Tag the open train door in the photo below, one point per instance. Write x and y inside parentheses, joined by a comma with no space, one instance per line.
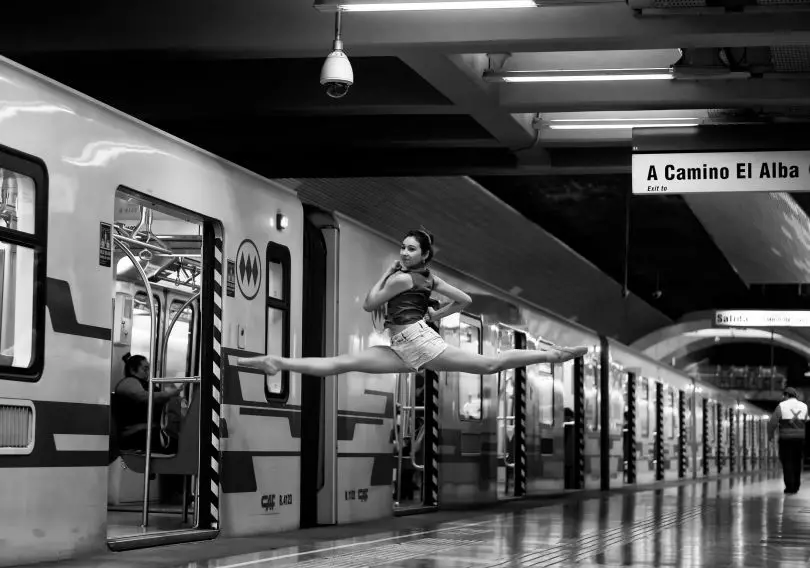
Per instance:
(511,420)
(166,287)
(319,394)
(415,438)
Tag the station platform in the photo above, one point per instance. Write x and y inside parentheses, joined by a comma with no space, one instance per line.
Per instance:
(730,522)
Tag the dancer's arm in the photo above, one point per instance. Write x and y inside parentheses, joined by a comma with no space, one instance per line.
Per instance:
(391,283)
(459,300)
(580,350)
(562,354)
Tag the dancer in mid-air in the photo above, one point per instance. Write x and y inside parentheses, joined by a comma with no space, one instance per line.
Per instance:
(402,297)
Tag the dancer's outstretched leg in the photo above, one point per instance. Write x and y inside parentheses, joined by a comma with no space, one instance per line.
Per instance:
(376,360)
(454,359)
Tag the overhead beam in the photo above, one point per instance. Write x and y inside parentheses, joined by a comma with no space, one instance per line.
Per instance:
(651,95)
(405,161)
(293,28)
(458,77)
(170,111)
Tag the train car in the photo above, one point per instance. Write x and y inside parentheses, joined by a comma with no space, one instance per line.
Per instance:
(118,239)
(112,231)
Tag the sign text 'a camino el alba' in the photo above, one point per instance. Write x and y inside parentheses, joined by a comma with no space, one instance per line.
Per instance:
(762,318)
(721,172)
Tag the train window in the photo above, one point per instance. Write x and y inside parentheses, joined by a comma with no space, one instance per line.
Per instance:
(18,207)
(23,228)
(139,339)
(179,346)
(470,387)
(643,407)
(277,327)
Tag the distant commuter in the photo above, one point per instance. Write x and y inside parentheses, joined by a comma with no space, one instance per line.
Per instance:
(401,298)
(790,418)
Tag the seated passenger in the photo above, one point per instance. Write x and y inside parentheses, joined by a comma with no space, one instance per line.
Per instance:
(129,408)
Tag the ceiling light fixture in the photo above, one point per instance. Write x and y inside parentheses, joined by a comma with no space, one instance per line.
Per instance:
(620,126)
(573,75)
(424,6)
(618,123)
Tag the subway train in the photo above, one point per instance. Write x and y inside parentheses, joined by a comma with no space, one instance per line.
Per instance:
(122,239)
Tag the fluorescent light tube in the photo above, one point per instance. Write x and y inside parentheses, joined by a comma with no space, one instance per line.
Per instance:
(572,78)
(570,75)
(619,126)
(634,119)
(413,6)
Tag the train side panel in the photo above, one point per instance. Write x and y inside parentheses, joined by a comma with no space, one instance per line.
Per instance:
(262,436)
(365,401)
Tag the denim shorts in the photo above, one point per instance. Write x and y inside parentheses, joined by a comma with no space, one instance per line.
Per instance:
(417,345)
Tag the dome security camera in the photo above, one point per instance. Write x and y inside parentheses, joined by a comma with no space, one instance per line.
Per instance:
(336,74)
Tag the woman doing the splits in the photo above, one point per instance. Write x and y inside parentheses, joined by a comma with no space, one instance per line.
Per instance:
(404,292)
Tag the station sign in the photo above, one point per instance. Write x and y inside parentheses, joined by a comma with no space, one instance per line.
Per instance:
(719,172)
(762,318)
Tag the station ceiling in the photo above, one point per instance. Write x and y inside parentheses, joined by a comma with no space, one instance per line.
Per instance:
(240,79)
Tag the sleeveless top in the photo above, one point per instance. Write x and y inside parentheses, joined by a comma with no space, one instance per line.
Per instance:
(411,306)
(792,416)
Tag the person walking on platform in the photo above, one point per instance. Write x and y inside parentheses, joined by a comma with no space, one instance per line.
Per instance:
(790,418)
(402,298)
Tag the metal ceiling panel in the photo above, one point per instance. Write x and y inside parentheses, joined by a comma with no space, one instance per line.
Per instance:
(765,236)
(480,235)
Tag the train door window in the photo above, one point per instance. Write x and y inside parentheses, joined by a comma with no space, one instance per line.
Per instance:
(23,227)
(686,427)
(542,377)
(617,404)
(470,387)
(140,323)
(179,345)
(644,407)
(592,398)
(673,405)
(277,387)
(568,385)
(669,403)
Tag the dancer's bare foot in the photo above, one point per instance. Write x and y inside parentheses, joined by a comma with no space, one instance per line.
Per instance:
(266,363)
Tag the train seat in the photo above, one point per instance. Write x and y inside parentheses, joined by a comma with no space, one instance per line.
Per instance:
(185,461)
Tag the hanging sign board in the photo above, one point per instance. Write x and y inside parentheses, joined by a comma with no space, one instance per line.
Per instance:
(762,318)
(717,172)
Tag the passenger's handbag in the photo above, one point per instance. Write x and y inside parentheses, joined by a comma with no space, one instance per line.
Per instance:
(171,421)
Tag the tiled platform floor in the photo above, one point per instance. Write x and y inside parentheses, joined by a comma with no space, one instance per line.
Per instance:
(724,523)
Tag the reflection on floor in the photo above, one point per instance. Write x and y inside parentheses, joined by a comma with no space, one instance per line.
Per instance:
(733,522)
